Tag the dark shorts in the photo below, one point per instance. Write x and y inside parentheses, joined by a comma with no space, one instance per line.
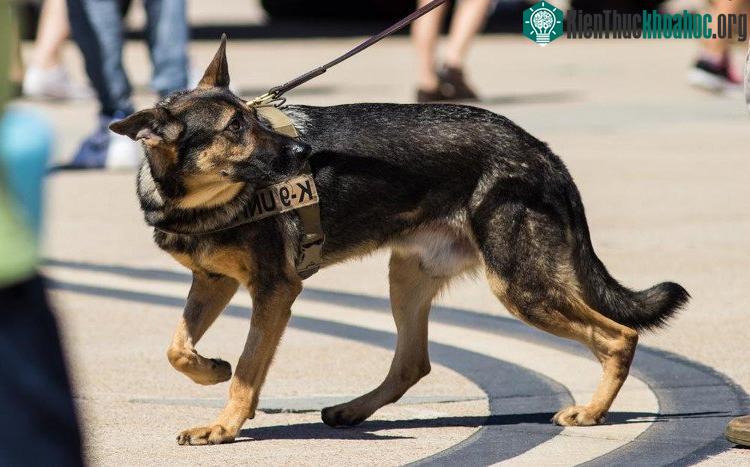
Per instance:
(38,424)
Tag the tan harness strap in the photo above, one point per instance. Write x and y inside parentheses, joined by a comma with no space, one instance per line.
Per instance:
(310,251)
(278,119)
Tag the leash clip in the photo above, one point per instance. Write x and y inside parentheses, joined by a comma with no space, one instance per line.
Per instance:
(272,97)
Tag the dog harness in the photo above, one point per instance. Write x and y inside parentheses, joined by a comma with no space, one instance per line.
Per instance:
(298,193)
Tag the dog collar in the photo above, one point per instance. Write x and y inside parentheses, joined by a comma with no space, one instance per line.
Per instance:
(295,194)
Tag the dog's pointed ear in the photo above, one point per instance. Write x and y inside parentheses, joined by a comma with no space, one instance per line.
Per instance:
(217,73)
(152,126)
(159,131)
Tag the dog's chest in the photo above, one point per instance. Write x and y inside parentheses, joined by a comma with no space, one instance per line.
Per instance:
(227,261)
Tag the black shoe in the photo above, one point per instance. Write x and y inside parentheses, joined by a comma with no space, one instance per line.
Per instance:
(453,85)
(714,77)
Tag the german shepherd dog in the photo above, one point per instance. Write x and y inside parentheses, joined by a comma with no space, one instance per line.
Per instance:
(447,188)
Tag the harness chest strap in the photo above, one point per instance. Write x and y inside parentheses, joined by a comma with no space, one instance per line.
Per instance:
(310,252)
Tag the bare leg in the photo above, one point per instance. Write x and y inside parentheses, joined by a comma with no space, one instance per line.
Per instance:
(52,32)
(271,312)
(468,20)
(717,48)
(207,299)
(411,293)
(425,32)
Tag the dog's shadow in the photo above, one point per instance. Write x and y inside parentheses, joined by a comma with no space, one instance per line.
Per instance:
(368,429)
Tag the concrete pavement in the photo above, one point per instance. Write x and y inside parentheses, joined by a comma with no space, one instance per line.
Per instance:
(663,173)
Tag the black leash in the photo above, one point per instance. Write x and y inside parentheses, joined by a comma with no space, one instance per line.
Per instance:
(275,93)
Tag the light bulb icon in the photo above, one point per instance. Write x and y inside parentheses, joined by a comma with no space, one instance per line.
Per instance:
(542,22)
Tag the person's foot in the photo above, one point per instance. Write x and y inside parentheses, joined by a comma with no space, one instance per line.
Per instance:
(714,75)
(105,149)
(738,431)
(451,86)
(52,83)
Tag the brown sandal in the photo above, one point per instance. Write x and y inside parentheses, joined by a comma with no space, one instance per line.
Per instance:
(738,431)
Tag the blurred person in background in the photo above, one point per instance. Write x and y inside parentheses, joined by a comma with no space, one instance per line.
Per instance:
(448,82)
(713,70)
(46,76)
(98,29)
(36,405)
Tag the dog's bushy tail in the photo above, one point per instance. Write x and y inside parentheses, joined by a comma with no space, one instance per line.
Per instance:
(645,309)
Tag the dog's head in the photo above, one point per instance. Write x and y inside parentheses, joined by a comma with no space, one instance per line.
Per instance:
(205,145)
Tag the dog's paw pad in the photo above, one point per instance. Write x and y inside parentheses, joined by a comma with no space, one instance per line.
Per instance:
(577,415)
(200,436)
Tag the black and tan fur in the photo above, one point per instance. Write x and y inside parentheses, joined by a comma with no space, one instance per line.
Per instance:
(447,188)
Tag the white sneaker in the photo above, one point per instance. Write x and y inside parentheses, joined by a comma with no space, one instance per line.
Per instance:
(123,153)
(53,83)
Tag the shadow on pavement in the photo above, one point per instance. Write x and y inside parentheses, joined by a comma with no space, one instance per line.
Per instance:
(532,98)
(366,430)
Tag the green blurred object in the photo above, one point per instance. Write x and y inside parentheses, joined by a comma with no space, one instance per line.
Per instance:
(5,51)
(18,256)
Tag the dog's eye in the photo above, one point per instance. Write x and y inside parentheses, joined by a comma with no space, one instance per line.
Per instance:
(234,126)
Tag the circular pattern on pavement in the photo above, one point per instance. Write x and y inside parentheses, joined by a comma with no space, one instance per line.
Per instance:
(695,402)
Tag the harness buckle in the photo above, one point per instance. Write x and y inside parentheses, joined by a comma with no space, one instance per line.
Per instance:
(309,253)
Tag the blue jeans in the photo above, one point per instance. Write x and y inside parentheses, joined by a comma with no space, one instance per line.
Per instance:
(98,30)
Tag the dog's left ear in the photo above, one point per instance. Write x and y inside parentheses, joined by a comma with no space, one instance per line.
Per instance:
(217,73)
(152,126)
(158,130)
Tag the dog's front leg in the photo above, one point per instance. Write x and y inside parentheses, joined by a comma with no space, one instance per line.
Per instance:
(208,297)
(271,311)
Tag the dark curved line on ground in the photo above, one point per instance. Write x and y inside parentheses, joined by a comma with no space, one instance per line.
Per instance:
(695,401)
(524,406)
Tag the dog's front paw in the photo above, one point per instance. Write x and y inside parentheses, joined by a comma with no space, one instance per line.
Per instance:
(342,415)
(215,434)
(577,415)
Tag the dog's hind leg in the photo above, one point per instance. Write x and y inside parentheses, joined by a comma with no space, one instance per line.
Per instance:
(411,293)
(613,344)
(271,311)
(208,297)
(528,255)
